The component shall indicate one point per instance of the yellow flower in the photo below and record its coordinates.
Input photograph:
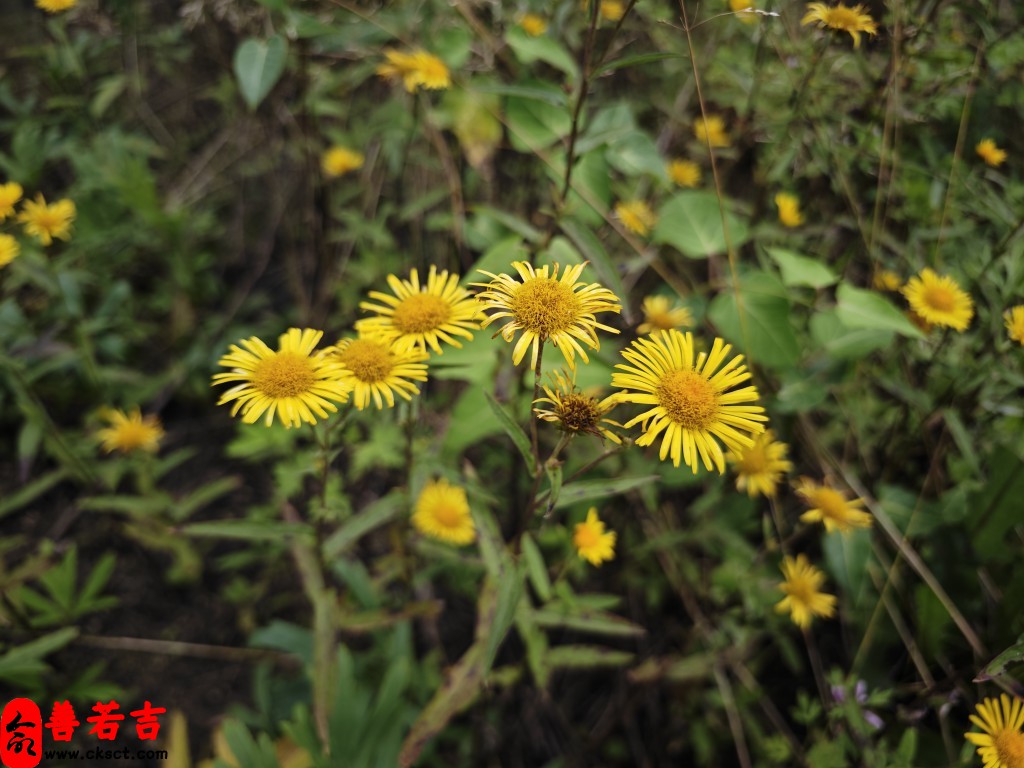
(919, 322)
(592, 543)
(612, 10)
(990, 153)
(417, 69)
(1014, 319)
(338, 160)
(10, 194)
(939, 300)
(789, 209)
(47, 221)
(371, 366)
(802, 587)
(842, 18)
(691, 403)
(576, 412)
(711, 131)
(9, 250)
(548, 308)
(1002, 743)
(292, 382)
(56, 6)
(685, 173)
(831, 507)
(417, 316)
(761, 466)
(739, 7)
(661, 314)
(442, 512)
(533, 25)
(636, 216)
(129, 432)
(886, 280)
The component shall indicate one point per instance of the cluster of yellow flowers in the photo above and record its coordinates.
(39, 219)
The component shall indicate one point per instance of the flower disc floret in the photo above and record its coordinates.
(420, 316)
(547, 308)
(939, 300)
(1001, 743)
(292, 382)
(695, 406)
(842, 18)
(374, 368)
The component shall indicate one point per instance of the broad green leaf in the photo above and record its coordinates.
(636, 154)
(691, 222)
(801, 270)
(258, 66)
(536, 568)
(251, 530)
(858, 308)
(382, 511)
(763, 331)
(592, 490)
(842, 343)
(27, 659)
(998, 666)
(848, 556)
(33, 490)
(471, 421)
(513, 430)
(534, 126)
(543, 48)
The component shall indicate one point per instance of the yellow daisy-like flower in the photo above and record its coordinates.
(939, 300)
(417, 69)
(831, 507)
(744, 10)
(442, 512)
(789, 209)
(339, 160)
(990, 153)
(55, 6)
(592, 542)
(886, 280)
(842, 18)
(9, 250)
(691, 403)
(612, 10)
(711, 131)
(46, 222)
(576, 412)
(294, 382)
(548, 308)
(533, 25)
(372, 366)
(130, 432)
(1014, 319)
(804, 599)
(685, 173)
(417, 316)
(636, 216)
(10, 194)
(760, 467)
(1001, 745)
(662, 314)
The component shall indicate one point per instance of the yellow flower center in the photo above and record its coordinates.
(689, 399)
(587, 536)
(545, 306)
(939, 297)
(843, 18)
(1010, 748)
(47, 219)
(286, 374)
(831, 503)
(754, 461)
(578, 413)
(132, 435)
(421, 312)
(448, 515)
(661, 320)
(369, 361)
(800, 589)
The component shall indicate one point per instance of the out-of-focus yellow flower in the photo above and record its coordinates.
(46, 222)
(9, 250)
(886, 280)
(842, 18)
(990, 153)
(662, 314)
(711, 131)
(804, 599)
(339, 160)
(831, 508)
(130, 432)
(760, 467)
(740, 8)
(636, 216)
(1014, 319)
(10, 194)
(592, 542)
(685, 173)
(789, 209)
(442, 512)
(533, 24)
(56, 6)
(612, 10)
(939, 300)
(417, 69)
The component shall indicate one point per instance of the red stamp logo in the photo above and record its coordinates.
(21, 734)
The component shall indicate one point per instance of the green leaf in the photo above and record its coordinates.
(258, 66)
(586, 657)
(595, 622)
(998, 666)
(842, 343)
(27, 659)
(33, 490)
(691, 222)
(801, 270)
(995, 509)
(633, 61)
(763, 332)
(543, 48)
(250, 530)
(513, 430)
(848, 556)
(591, 490)
(536, 568)
(382, 511)
(534, 126)
(858, 308)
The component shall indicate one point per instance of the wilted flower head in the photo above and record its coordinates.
(574, 411)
